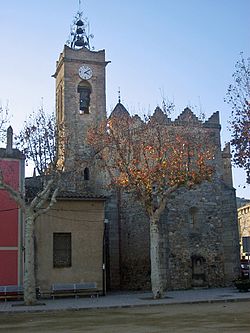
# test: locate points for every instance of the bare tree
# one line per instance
(4, 117)
(38, 141)
(238, 96)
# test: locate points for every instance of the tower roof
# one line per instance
(119, 111)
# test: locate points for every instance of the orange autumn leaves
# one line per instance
(142, 155)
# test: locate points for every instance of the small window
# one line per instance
(193, 220)
(62, 249)
(86, 174)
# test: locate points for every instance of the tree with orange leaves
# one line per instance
(152, 160)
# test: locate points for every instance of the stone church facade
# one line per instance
(200, 245)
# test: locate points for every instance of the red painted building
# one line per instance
(11, 219)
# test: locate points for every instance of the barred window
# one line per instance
(62, 249)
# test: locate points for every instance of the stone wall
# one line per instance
(135, 260)
(76, 124)
(200, 246)
(198, 226)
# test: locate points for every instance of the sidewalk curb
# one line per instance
(46, 309)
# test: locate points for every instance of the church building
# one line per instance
(199, 225)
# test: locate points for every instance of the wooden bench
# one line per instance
(74, 289)
(11, 292)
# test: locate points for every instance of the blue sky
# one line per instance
(184, 50)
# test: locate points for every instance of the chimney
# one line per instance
(9, 140)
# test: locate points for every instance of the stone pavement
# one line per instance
(129, 299)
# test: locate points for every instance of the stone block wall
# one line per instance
(199, 240)
(230, 235)
(67, 99)
(135, 258)
(195, 236)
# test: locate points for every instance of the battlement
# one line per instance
(187, 117)
(213, 121)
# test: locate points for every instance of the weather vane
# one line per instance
(119, 95)
(80, 5)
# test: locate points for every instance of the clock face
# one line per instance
(85, 72)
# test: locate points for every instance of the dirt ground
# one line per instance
(215, 317)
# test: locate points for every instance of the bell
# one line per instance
(79, 31)
(79, 42)
(79, 23)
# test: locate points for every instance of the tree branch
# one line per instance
(52, 202)
(15, 195)
(42, 197)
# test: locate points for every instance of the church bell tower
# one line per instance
(80, 90)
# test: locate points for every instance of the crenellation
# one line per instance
(187, 116)
(213, 121)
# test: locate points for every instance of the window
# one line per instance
(193, 220)
(86, 174)
(62, 249)
(84, 90)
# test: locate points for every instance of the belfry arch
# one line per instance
(84, 90)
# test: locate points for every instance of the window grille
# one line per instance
(62, 249)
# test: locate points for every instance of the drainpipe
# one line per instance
(104, 258)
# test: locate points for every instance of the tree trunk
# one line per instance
(29, 264)
(156, 276)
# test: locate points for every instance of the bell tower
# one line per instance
(80, 90)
